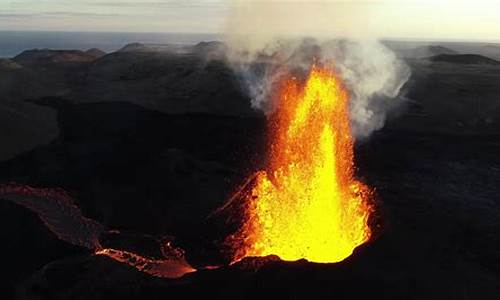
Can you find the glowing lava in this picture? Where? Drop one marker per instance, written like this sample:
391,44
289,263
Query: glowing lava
308,204
173,267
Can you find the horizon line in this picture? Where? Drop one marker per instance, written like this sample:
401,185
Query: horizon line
387,39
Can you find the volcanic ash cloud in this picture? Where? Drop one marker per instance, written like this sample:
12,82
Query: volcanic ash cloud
272,38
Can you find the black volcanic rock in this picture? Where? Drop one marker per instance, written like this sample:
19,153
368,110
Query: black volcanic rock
165,81
465,59
23,125
169,81
145,171
457,94
29,246
361,276
121,144
90,277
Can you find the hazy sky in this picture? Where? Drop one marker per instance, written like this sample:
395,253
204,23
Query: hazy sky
428,19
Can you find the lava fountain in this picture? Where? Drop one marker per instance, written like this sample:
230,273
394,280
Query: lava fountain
308,203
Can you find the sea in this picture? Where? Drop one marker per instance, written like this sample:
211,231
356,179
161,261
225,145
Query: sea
14,42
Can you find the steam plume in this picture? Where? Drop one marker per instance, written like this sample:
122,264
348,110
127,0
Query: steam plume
269,38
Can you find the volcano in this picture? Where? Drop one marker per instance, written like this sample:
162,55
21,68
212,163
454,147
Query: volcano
307,206
122,192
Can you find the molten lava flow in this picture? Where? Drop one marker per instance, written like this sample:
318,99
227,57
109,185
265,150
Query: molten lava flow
165,268
62,216
308,205
58,211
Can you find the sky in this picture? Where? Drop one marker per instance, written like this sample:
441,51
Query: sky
424,19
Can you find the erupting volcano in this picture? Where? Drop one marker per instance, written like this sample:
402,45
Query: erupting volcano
307,204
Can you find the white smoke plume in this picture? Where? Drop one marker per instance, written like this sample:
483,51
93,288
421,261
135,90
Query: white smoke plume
267,39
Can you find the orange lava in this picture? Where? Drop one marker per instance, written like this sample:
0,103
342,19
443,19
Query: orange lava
308,204
165,268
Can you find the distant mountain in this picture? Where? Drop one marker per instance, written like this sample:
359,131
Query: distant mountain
41,56
213,49
210,50
434,50
135,47
491,50
210,46
97,53
492,47
138,47
466,59
426,51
